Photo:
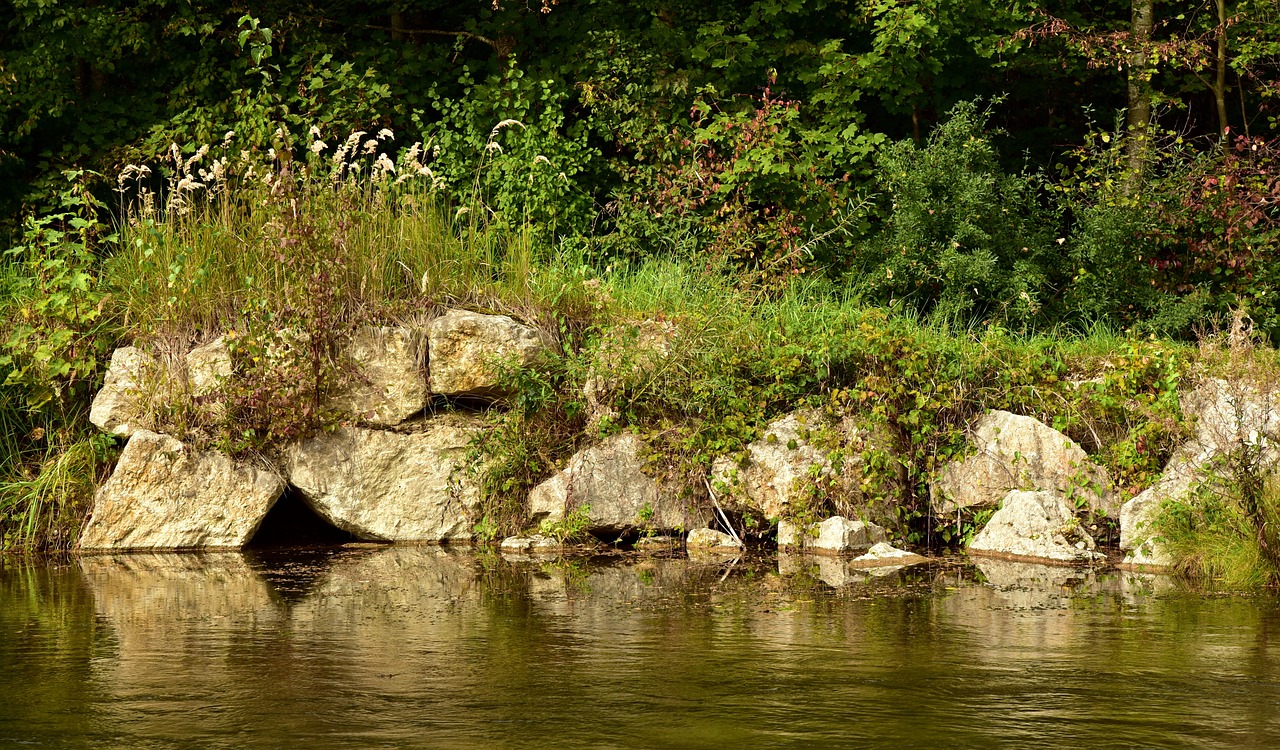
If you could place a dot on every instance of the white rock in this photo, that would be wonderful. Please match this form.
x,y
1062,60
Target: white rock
x,y
535,543
839,535
388,383
711,539
882,553
382,485
609,481
133,385
163,495
778,471
1017,452
628,354
208,367
1035,526
466,349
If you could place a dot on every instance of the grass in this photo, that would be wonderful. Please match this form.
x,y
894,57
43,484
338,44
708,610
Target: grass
x,y
1215,542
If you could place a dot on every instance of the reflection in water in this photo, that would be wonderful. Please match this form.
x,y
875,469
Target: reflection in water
x,y
426,647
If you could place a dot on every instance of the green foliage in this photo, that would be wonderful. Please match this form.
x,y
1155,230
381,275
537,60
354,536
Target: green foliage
x,y
572,528
963,240
53,333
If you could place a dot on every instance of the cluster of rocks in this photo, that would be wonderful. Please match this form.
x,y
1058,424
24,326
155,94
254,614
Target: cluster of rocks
x,y
395,472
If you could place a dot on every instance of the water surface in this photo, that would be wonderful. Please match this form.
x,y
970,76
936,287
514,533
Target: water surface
x,y
407,647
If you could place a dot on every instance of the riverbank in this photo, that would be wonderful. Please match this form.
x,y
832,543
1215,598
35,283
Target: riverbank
x,y
295,295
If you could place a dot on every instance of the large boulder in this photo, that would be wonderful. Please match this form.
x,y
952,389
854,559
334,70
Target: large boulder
x,y
1016,452
607,483
391,486
1038,526
130,391
388,382
163,495
1237,429
781,469
466,349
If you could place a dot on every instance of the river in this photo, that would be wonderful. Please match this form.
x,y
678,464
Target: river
x,y
423,647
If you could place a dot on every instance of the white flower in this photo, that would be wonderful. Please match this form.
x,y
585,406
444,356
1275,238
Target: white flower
x,y
386,133
318,146
314,131
371,147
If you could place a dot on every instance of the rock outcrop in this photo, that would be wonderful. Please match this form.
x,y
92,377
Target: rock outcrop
x,y
1021,453
388,382
163,495
608,483
1237,428
467,348
131,387
779,470
391,486
1035,526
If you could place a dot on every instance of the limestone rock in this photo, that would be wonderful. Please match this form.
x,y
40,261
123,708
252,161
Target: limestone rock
x,y
389,385
1016,452
535,543
608,481
391,486
779,469
627,355
132,385
163,495
208,367
465,348
711,539
882,553
1229,415
839,535
1035,526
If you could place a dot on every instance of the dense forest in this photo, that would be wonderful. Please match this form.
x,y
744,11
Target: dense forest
x,y
1046,168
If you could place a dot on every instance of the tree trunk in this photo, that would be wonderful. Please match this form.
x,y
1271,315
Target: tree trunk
x,y
1220,79
1138,115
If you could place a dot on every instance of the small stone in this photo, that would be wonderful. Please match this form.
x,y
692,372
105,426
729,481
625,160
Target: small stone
x,y
208,367
839,535
711,539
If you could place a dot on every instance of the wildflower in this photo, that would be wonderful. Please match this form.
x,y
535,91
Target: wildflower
x,y
385,164
314,131
371,147
386,133
226,138
318,146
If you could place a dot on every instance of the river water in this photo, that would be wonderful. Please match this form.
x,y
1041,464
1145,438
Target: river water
x,y
408,647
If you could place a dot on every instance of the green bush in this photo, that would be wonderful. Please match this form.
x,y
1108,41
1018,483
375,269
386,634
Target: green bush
x,y
962,239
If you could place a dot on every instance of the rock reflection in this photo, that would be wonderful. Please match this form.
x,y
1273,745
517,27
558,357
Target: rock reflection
x,y
413,646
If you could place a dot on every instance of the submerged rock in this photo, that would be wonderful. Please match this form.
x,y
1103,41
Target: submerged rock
x,y
466,349
535,543
1035,526
711,539
389,385
391,486
608,483
163,495
131,387
882,553
1017,452
779,470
